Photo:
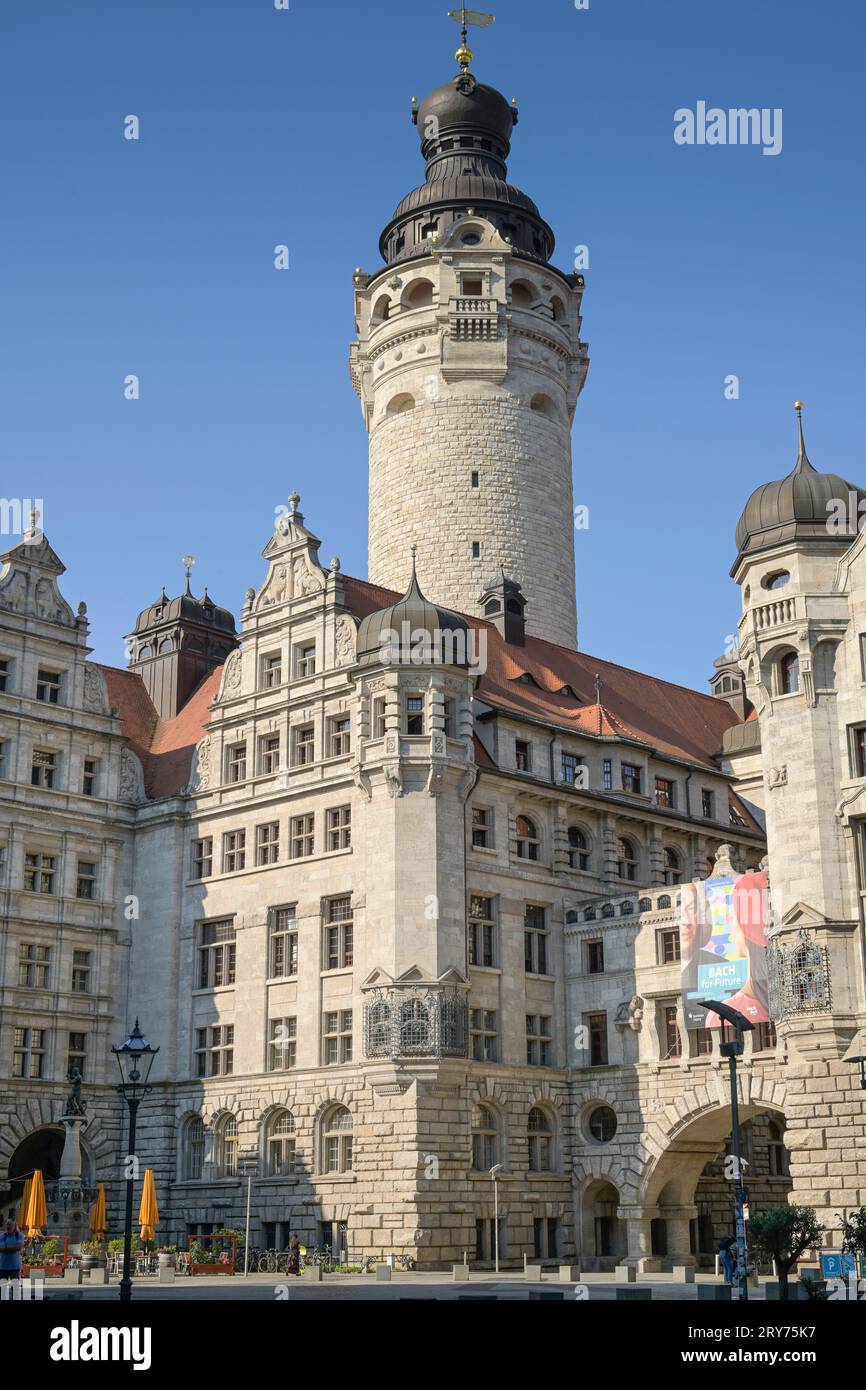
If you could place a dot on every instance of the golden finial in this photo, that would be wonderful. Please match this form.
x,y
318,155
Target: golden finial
x,y
464,18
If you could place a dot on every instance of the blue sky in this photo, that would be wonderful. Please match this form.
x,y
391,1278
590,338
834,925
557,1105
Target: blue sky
x,y
261,127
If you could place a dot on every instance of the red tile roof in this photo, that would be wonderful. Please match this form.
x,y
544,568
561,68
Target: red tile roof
x,y
562,691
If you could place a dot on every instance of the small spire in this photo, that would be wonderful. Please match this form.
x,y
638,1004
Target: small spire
x,y
802,456
464,18
597,688
188,561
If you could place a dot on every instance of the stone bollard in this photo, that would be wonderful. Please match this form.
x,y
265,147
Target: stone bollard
x,y
533,1272
460,1274
314,1273
684,1274
383,1274
569,1274
625,1274
166,1274
72,1274
650,1264
99,1275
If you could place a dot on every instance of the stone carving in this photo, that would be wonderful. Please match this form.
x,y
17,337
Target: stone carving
x,y
74,1104
200,773
345,641
15,591
778,777
439,743
278,587
630,1014
94,690
304,582
436,778
131,777
393,780
231,682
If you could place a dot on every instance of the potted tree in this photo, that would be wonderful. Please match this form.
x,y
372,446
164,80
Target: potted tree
x,y
91,1255
167,1256
782,1234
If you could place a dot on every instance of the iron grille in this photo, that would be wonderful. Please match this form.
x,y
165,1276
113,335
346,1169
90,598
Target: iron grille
x,y
798,976
415,1023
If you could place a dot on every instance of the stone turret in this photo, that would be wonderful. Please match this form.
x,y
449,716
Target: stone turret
x,y
469,362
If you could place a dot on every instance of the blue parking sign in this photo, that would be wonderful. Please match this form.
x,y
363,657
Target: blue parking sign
x,y
837,1266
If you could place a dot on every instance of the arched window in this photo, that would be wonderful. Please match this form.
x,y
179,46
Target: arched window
x,y
419,294
193,1149
607,910
557,309
280,1144
540,1131
777,580
589,914
673,867
626,859
414,1026
399,405
485,1138
543,405
166,645
777,1154
644,904
522,294
381,309
145,651
337,1140
664,901
789,673
578,849
227,1147
626,909
528,841
380,1030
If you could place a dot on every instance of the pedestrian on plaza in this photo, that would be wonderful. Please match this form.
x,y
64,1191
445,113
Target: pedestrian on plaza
x,y
294,1265
727,1255
11,1245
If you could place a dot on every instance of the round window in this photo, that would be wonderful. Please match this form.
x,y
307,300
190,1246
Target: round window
x,y
602,1124
777,580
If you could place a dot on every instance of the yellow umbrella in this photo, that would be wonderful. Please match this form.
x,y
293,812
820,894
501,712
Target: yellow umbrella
x,y
97,1214
24,1203
36,1215
148,1212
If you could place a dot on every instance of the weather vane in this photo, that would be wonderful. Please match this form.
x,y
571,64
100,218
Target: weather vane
x,y
188,561
465,18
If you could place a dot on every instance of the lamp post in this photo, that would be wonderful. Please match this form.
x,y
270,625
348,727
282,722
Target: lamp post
x,y
732,1050
135,1059
494,1173
248,1167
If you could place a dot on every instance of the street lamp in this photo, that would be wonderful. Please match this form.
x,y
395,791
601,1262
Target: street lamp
x,y
135,1059
248,1168
855,1056
494,1173
732,1050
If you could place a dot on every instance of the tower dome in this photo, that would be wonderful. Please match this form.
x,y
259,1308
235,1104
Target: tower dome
x,y
413,631
798,507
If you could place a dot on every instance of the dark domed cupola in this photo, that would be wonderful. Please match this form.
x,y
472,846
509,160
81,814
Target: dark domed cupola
x,y
176,642
465,129
799,507
413,632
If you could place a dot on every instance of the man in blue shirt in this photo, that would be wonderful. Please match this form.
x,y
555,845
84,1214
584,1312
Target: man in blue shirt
x,y
11,1245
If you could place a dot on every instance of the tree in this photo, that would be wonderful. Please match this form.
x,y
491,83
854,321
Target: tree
x,y
854,1232
783,1233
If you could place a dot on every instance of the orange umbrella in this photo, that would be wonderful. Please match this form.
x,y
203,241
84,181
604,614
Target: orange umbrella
x,y
97,1214
36,1215
148,1212
24,1203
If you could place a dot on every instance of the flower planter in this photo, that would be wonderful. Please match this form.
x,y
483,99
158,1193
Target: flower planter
x,y
54,1269
212,1269
167,1259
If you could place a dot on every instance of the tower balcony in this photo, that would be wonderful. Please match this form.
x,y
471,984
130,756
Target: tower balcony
x,y
415,1020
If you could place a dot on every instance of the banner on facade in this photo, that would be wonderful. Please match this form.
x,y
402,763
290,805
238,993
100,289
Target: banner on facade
x,y
723,946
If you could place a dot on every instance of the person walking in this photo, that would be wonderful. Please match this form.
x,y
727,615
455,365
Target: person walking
x,y
294,1265
11,1245
726,1255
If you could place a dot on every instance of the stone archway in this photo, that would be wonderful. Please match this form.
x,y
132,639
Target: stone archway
x,y
602,1233
39,1149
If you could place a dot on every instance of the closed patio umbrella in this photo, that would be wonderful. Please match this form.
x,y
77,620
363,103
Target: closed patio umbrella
x,y
36,1215
148,1212
97,1214
24,1203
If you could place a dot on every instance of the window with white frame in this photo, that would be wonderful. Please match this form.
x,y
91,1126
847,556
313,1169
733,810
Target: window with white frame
x,y
539,1042
414,715
338,935
302,836
631,777
48,686
485,1138
578,849
540,1134
283,944
272,670
571,769
268,843
227,1147
337,1138
82,969
236,763
484,1035
336,1037
280,1144
303,745
39,872
522,755
43,769
193,1149
215,1050
269,754
217,954
202,857
34,963
234,851
626,859
482,931
29,1048
673,866
339,736
378,720
85,880
305,660
339,827
528,839
282,1043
